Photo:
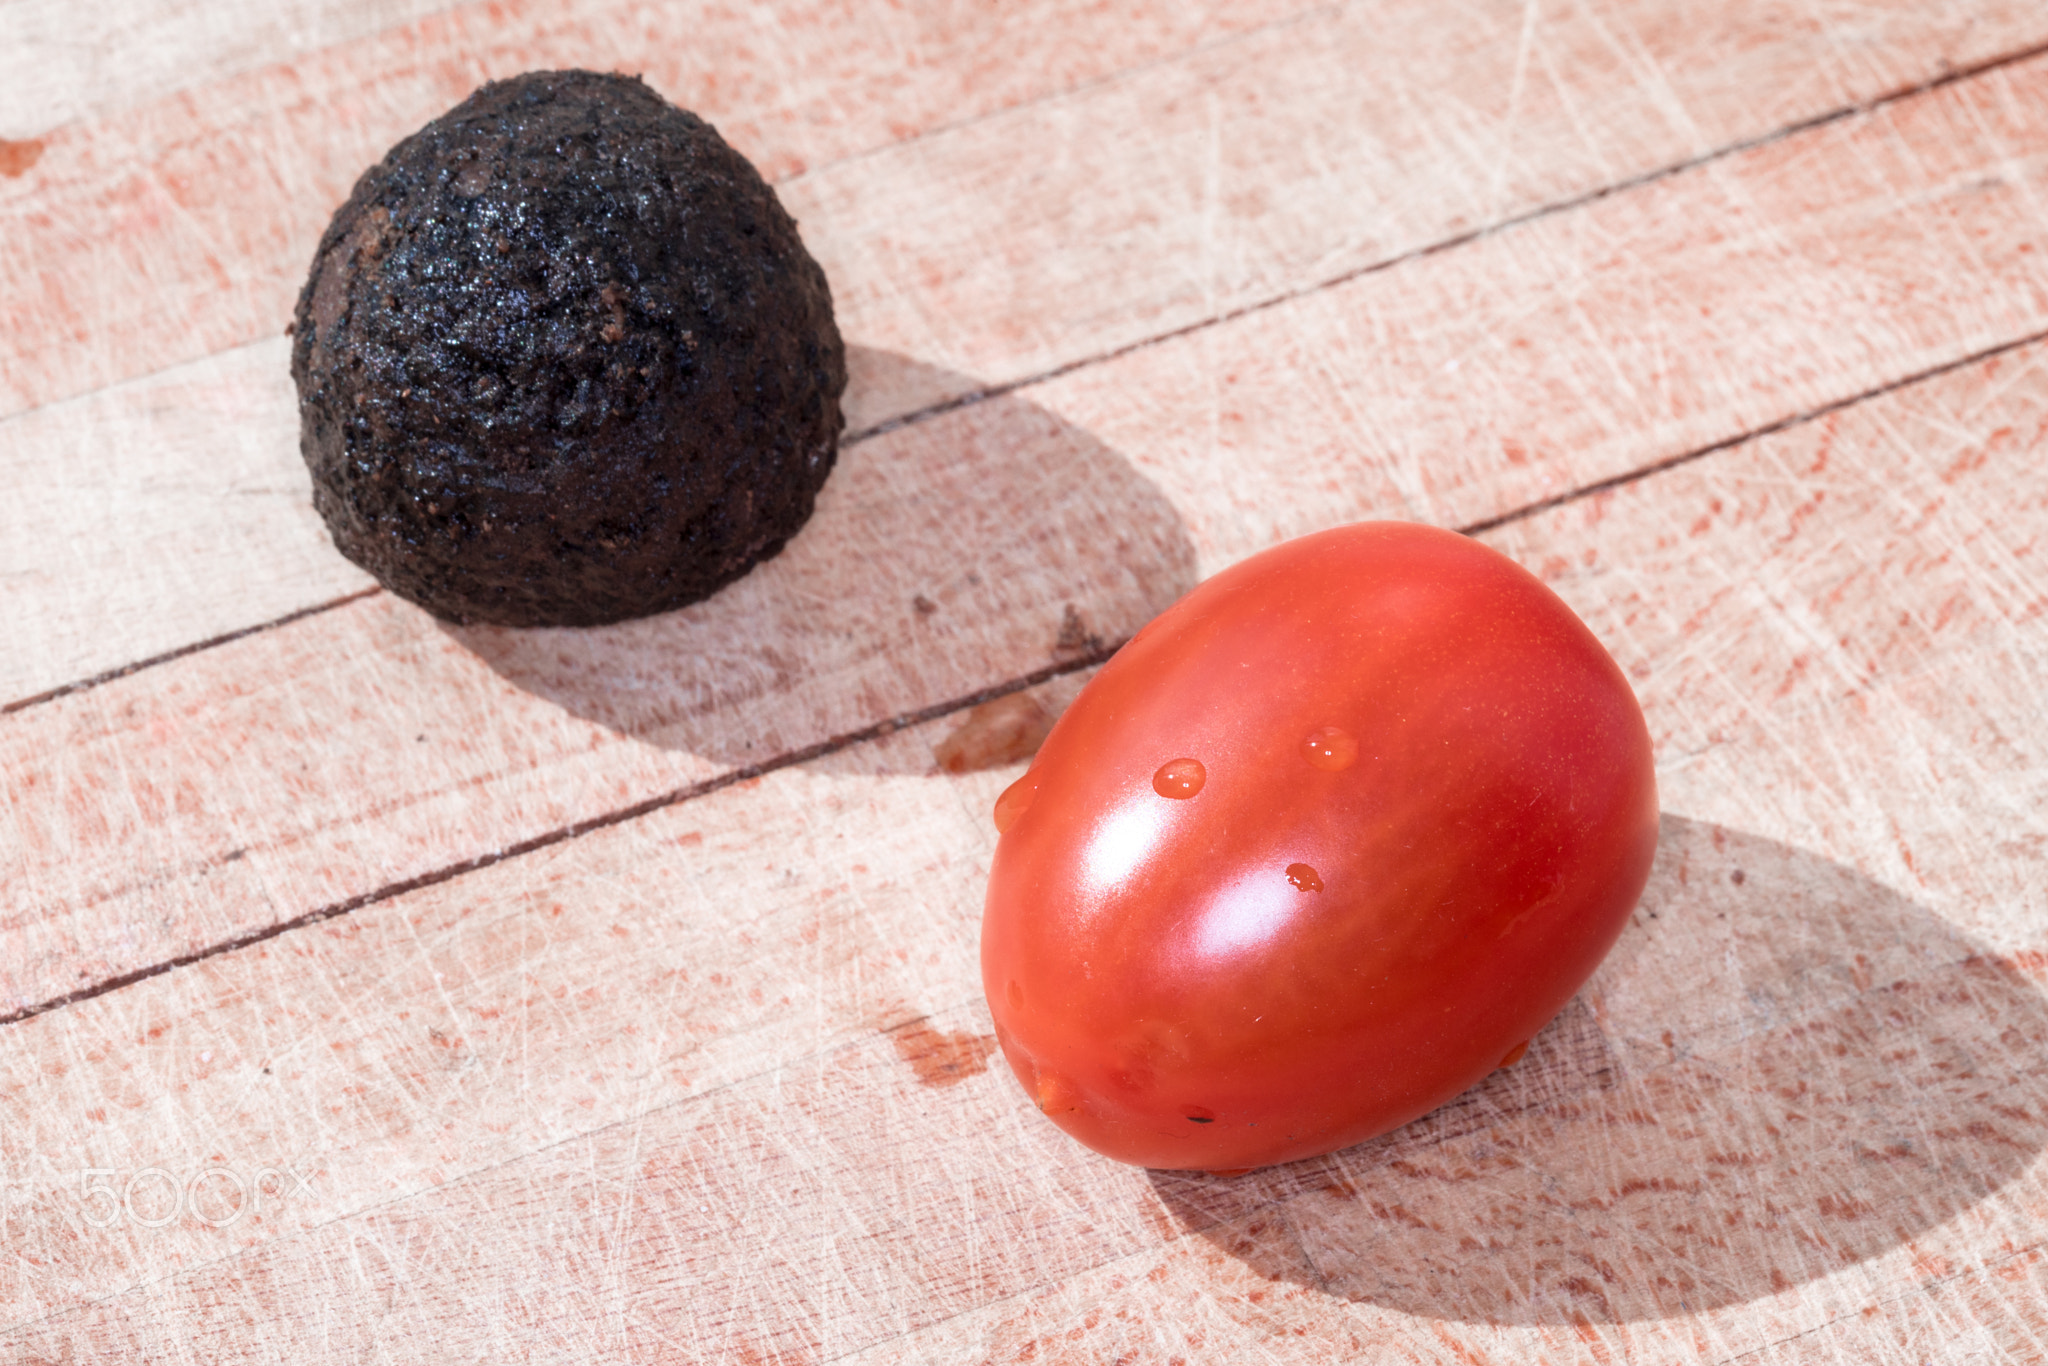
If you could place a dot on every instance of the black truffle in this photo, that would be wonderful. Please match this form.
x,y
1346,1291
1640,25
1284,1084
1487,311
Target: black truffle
x,y
562,360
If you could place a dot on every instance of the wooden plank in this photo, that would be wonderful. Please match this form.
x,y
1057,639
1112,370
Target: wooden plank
x,y
65,63
758,1125
1045,516
165,511
174,509
1293,157
1452,388
184,227
616,975
1455,388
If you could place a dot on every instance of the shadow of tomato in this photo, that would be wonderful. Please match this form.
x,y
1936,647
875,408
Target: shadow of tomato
x,y
982,543
1784,1069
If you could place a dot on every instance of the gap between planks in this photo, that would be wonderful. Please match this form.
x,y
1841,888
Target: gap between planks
x,y
847,740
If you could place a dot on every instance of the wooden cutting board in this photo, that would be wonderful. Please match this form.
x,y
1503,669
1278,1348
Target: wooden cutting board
x,y
379,990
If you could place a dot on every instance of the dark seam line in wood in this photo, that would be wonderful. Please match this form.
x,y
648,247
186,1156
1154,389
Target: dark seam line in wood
x,y
82,684
574,830
1445,244
1783,424
974,396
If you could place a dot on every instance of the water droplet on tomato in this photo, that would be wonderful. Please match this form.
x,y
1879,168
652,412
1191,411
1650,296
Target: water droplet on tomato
x,y
1304,877
1014,802
1016,995
1515,1054
1331,749
1200,1114
1180,779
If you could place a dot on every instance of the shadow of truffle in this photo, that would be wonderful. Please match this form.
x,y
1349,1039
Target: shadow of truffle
x,y
976,545
1801,1070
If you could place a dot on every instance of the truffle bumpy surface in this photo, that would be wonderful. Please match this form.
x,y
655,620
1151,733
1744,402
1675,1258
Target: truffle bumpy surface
x,y
562,360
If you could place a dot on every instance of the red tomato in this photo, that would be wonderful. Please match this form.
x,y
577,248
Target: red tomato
x,y
1319,848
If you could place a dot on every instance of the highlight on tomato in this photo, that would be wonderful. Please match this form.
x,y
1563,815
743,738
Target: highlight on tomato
x,y
1324,844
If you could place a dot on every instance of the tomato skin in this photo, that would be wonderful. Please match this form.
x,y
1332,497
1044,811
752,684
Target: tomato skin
x,y
1425,809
